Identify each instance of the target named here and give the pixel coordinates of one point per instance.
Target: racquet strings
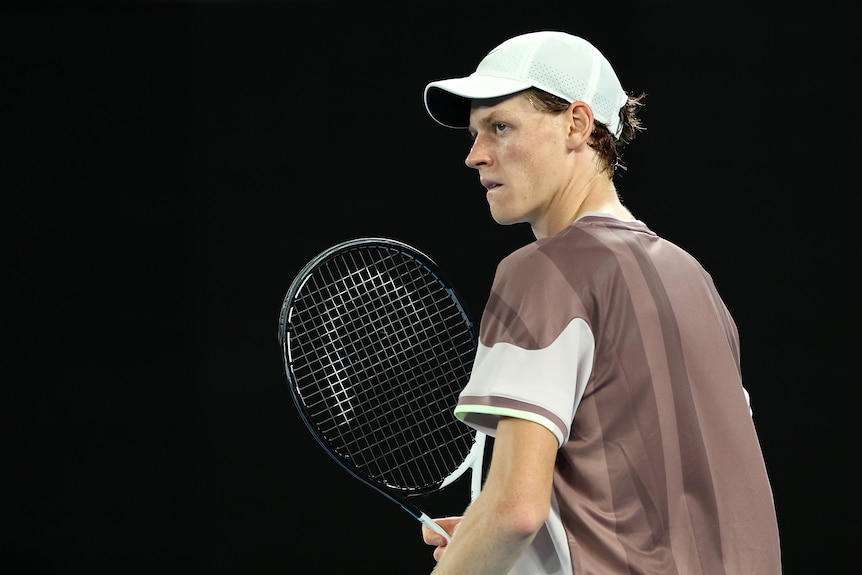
(380, 348)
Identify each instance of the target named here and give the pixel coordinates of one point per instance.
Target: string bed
(379, 348)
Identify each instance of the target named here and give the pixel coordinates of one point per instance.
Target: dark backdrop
(169, 168)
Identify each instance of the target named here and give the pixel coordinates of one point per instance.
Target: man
(608, 367)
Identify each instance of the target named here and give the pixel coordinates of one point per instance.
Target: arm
(513, 504)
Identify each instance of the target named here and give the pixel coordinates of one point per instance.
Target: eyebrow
(491, 117)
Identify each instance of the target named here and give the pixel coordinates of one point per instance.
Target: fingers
(431, 537)
(448, 524)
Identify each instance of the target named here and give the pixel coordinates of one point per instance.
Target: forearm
(513, 505)
(488, 540)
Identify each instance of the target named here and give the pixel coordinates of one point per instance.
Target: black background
(169, 167)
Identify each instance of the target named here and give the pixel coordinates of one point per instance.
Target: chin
(506, 219)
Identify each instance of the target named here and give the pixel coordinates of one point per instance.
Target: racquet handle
(432, 525)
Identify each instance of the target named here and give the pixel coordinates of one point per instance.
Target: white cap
(559, 63)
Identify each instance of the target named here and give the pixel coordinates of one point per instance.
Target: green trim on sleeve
(462, 411)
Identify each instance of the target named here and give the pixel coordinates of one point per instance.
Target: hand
(449, 524)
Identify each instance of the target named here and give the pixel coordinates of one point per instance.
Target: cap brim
(448, 101)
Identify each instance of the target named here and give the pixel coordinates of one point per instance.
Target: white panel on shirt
(552, 378)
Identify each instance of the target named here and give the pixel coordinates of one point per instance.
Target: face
(521, 155)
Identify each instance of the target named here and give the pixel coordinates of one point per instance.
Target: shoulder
(590, 242)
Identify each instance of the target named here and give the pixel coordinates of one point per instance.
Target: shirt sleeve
(541, 385)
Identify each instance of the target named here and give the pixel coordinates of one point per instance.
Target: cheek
(524, 162)
(516, 154)
(541, 155)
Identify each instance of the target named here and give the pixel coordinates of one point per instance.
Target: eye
(500, 127)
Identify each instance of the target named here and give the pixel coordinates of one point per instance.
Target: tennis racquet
(376, 347)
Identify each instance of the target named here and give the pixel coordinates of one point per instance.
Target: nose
(478, 155)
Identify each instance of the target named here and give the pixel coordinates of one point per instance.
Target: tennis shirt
(617, 342)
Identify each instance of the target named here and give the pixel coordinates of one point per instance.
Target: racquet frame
(472, 461)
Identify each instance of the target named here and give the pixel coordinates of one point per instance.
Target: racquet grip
(432, 525)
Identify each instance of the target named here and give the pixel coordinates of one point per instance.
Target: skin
(507, 514)
(538, 169)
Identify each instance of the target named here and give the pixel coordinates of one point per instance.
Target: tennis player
(608, 369)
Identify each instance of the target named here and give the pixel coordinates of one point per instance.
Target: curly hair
(610, 149)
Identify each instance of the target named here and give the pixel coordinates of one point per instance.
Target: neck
(607, 202)
(596, 195)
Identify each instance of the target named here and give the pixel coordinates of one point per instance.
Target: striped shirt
(617, 341)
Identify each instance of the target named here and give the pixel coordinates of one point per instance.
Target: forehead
(489, 109)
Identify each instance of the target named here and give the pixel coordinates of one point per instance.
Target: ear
(580, 122)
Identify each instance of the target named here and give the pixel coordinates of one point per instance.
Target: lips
(489, 184)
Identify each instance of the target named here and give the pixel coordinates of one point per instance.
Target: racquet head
(376, 346)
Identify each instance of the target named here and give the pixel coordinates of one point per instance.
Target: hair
(610, 149)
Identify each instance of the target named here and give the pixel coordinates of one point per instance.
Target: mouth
(490, 185)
